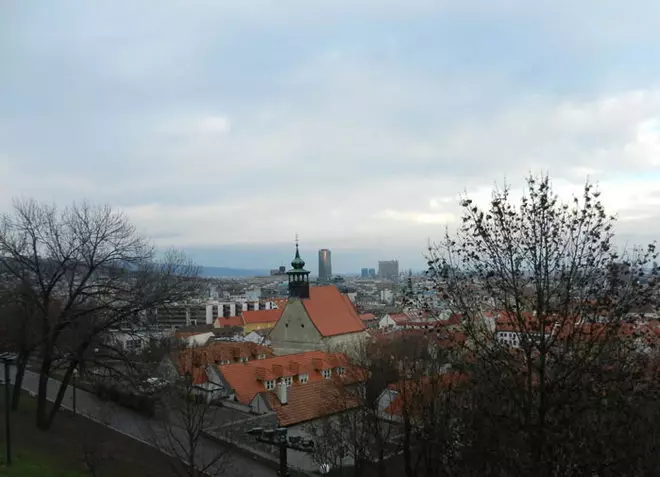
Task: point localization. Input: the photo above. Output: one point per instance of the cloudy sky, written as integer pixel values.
(226, 127)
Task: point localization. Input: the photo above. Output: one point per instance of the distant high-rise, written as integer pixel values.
(388, 269)
(325, 265)
(368, 273)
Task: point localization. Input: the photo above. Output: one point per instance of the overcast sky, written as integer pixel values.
(226, 127)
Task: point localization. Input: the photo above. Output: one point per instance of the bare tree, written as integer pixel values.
(368, 436)
(82, 271)
(187, 414)
(545, 298)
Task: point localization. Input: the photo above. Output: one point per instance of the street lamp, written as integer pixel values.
(75, 375)
(279, 437)
(8, 359)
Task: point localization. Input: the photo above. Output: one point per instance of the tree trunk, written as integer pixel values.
(407, 452)
(42, 393)
(60, 394)
(21, 364)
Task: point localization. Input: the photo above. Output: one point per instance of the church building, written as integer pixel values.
(315, 318)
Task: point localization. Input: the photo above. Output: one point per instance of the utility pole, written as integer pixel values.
(7, 359)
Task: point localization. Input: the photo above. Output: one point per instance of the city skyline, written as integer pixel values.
(223, 130)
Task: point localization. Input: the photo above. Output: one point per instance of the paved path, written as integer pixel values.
(140, 428)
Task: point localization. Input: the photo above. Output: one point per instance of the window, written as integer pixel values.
(326, 373)
(288, 381)
(243, 359)
(261, 356)
(303, 378)
(341, 371)
(270, 385)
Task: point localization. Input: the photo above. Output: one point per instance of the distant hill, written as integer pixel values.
(213, 272)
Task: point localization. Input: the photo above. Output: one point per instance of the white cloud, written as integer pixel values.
(243, 122)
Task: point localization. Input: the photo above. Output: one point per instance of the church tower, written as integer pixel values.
(298, 277)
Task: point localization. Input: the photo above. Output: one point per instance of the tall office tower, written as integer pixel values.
(325, 265)
(388, 269)
(364, 273)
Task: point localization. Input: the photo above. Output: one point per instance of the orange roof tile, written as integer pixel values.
(367, 316)
(246, 379)
(222, 322)
(413, 393)
(310, 401)
(193, 360)
(262, 316)
(331, 312)
(399, 318)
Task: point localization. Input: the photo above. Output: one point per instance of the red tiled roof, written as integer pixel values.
(262, 316)
(311, 401)
(367, 316)
(399, 318)
(222, 322)
(246, 379)
(331, 312)
(193, 360)
(412, 394)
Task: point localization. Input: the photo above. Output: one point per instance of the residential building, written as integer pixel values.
(325, 266)
(199, 364)
(298, 387)
(369, 319)
(393, 321)
(261, 319)
(388, 270)
(135, 341)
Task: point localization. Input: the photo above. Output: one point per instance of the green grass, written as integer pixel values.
(30, 465)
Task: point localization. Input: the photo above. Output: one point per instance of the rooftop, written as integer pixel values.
(193, 360)
(311, 401)
(262, 316)
(331, 312)
(247, 379)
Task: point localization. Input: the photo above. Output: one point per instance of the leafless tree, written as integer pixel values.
(548, 273)
(187, 414)
(370, 436)
(81, 271)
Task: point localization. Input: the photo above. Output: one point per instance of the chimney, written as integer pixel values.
(317, 363)
(294, 367)
(278, 370)
(282, 392)
(261, 373)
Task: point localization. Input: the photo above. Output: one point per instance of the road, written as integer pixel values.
(147, 431)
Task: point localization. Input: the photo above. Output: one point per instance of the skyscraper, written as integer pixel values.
(388, 269)
(325, 265)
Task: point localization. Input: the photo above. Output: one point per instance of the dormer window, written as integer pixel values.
(288, 381)
(303, 378)
(261, 356)
(326, 373)
(341, 371)
(243, 359)
(269, 385)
